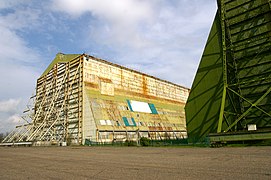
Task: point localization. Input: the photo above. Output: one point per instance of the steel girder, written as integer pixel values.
(233, 83)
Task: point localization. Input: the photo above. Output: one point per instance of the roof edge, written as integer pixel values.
(60, 57)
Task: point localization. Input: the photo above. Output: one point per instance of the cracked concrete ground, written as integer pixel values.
(135, 163)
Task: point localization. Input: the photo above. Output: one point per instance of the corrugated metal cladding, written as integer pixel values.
(80, 97)
(231, 89)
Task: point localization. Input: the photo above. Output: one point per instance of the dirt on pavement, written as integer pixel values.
(135, 163)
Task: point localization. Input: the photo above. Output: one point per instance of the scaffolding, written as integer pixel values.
(57, 114)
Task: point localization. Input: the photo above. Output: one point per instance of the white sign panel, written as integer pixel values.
(251, 127)
(140, 106)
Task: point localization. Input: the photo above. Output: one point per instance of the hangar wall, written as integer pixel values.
(82, 98)
(231, 90)
(126, 104)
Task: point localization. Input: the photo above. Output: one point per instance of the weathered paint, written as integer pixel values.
(81, 97)
(165, 100)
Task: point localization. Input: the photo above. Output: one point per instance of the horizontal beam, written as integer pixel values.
(158, 131)
(224, 137)
(16, 143)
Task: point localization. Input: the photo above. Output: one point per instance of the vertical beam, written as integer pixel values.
(97, 135)
(83, 99)
(224, 61)
(80, 111)
(67, 105)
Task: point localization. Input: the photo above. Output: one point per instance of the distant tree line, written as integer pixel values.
(2, 136)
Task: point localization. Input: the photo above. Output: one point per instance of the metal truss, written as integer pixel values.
(56, 105)
(245, 35)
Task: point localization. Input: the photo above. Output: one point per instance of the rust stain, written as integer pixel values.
(168, 128)
(148, 96)
(106, 80)
(121, 78)
(160, 128)
(152, 128)
(144, 85)
(87, 84)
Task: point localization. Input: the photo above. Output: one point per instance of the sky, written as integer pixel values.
(163, 38)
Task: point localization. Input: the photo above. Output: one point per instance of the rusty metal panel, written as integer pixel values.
(110, 88)
(81, 97)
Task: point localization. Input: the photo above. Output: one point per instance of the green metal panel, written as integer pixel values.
(233, 83)
(125, 120)
(203, 104)
(129, 105)
(60, 58)
(153, 109)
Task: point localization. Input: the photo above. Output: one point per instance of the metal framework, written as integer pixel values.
(238, 54)
(246, 39)
(57, 112)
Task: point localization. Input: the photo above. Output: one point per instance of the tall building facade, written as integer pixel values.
(82, 98)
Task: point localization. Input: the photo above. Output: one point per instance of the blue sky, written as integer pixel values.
(163, 38)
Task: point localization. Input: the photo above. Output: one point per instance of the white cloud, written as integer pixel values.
(15, 119)
(118, 20)
(19, 81)
(18, 60)
(9, 114)
(8, 123)
(128, 11)
(162, 38)
(10, 105)
(18, 64)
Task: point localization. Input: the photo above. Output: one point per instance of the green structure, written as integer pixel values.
(230, 95)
